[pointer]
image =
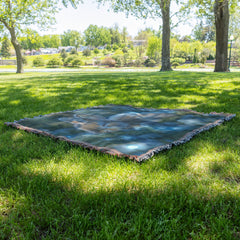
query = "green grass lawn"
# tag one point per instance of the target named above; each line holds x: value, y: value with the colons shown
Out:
x: 51, y: 190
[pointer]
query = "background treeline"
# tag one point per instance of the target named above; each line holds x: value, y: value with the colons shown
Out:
x: 115, y: 47
x: 93, y: 36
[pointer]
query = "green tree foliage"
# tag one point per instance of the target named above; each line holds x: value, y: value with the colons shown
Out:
x: 5, y: 49
x: 205, y: 33
x: 115, y: 35
x: 144, y: 9
x: 77, y: 62
x: 38, y: 62
x: 17, y: 15
x: 145, y: 34
x: 51, y: 41
x: 96, y: 50
x: 234, y: 25
x: 150, y: 62
x: 31, y: 40
x: 74, y: 51
x: 86, y: 52
x: 73, y: 61
x: 124, y: 35
x: 97, y: 36
x: 54, y: 62
x: 68, y: 60
x: 63, y: 54
x: 74, y: 3
x: 154, y: 48
x: 193, y: 51
x: 72, y: 38
x: 220, y: 11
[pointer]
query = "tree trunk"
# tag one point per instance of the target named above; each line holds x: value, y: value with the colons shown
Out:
x: 17, y: 48
x: 221, y: 12
x: 165, y: 8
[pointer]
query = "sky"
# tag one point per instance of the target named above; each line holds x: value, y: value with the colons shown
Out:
x: 88, y: 13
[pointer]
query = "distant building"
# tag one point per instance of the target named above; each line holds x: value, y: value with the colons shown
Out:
x: 82, y: 48
x: 33, y: 52
x: 48, y: 50
x: 67, y: 48
x: 137, y: 43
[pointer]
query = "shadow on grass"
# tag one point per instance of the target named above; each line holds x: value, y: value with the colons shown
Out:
x: 34, y: 95
x: 43, y: 205
x: 55, y: 92
x: 109, y: 198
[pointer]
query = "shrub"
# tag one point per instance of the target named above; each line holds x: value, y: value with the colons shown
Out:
x: 131, y: 46
x: 97, y: 62
x: 115, y: 46
x: 74, y: 51
x: 38, y: 62
x: 138, y: 62
x: 203, y: 59
x: 211, y: 57
x: 96, y: 50
x: 105, y: 52
x: 175, y: 64
x: 125, y: 50
x: 63, y: 54
x: 126, y: 59
x: 178, y: 60
x: 118, y: 52
x: 195, y: 56
x: 68, y: 60
x: 109, y: 61
x: 109, y: 48
x: 153, y: 48
x: 73, y: 61
x: 54, y: 62
x: 119, y: 60
x: 76, y: 62
x: 180, y: 54
x: 150, y: 62
x: 86, y: 52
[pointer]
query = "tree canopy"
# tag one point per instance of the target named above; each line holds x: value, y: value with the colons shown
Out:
x: 71, y: 38
x: 17, y: 15
x: 5, y: 49
x: 97, y: 36
x: 145, y: 9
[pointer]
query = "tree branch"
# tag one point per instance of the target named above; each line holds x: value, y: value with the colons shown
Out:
x: 5, y: 23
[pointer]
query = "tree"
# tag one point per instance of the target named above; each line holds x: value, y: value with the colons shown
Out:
x: 50, y: 41
x: 144, y: 9
x: 154, y: 48
x: 234, y: 25
x: 31, y: 41
x: 221, y: 10
x: 165, y: 9
x: 205, y: 32
x: 72, y: 38
x: 115, y: 35
x: 97, y: 36
x: 124, y: 35
x: 144, y: 35
x: 5, y: 49
x: 15, y: 15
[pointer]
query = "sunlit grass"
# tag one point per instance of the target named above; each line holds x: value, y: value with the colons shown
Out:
x: 51, y: 190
